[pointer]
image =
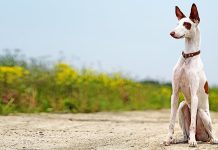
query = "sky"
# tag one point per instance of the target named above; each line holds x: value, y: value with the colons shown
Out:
x: 131, y: 36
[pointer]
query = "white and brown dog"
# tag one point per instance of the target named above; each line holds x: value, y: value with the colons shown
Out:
x: 190, y: 78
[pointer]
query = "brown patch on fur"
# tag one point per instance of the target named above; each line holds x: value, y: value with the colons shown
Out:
x: 187, y: 25
x: 194, y: 16
x: 179, y: 13
x: 206, y: 88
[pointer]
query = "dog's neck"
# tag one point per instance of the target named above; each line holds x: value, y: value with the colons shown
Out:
x: 193, y: 44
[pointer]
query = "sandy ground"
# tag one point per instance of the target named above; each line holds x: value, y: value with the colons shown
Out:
x: 101, y: 131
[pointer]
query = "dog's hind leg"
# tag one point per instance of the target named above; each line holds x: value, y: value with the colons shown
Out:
x: 184, y: 121
x: 201, y: 132
x: 206, y: 120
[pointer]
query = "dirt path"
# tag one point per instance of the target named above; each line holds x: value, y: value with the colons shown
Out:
x: 102, y: 131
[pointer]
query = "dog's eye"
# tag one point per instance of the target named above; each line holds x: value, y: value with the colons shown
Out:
x: 187, y: 25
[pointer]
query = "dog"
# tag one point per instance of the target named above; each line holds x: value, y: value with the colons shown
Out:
x: 189, y: 78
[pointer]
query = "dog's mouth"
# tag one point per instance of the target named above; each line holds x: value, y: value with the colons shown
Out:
x: 179, y: 37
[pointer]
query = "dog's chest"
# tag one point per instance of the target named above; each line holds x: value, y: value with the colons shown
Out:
x: 184, y: 83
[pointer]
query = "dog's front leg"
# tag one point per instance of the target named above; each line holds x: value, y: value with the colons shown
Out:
x: 194, y: 84
x: 174, y: 104
x: 192, y: 131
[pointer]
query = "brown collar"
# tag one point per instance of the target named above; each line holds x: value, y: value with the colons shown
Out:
x: 190, y: 54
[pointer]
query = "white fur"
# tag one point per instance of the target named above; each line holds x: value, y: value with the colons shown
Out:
x: 190, y: 78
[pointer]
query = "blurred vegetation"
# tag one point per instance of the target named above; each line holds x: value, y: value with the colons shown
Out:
x: 33, y: 86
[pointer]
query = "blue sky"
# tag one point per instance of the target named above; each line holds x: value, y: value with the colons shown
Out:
x: 131, y: 36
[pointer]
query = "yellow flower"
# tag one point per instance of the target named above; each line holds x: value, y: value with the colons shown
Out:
x: 65, y: 74
x: 11, y: 74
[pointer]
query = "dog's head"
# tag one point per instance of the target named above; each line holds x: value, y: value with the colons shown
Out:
x: 186, y: 27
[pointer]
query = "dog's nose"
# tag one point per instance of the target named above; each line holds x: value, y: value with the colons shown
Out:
x: 172, y: 33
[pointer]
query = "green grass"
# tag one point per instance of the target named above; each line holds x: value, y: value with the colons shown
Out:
x: 38, y: 87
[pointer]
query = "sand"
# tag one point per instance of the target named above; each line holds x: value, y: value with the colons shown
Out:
x: 101, y: 131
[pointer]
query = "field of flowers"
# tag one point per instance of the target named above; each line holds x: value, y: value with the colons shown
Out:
x: 32, y: 86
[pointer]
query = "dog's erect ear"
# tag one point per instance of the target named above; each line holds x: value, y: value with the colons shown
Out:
x: 179, y: 13
x: 194, y: 14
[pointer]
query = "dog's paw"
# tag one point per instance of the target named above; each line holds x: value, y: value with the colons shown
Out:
x: 166, y: 143
x: 169, y: 141
x: 192, y: 143
x: 214, y: 141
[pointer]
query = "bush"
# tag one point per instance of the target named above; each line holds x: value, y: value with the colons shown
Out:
x: 32, y: 86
